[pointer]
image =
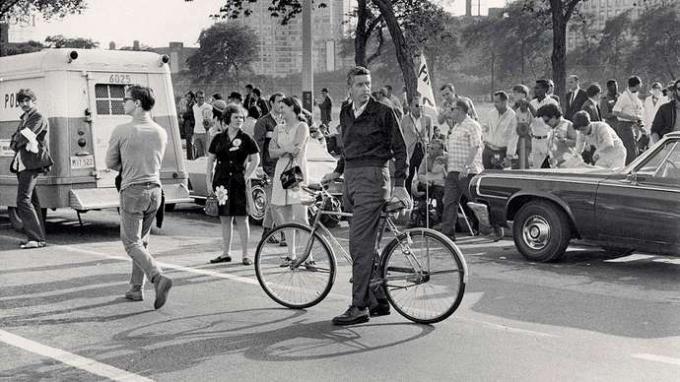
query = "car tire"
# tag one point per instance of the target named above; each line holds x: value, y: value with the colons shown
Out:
x: 170, y: 207
x: 541, y: 231
x: 259, y: 197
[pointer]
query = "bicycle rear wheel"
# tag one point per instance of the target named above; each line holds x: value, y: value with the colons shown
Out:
x: 424, y: 275
x: 293, y: 286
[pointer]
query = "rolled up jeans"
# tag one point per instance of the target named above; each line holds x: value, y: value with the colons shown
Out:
x: 138, y: 206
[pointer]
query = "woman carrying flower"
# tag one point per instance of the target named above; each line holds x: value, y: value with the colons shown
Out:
x: 233, y: 157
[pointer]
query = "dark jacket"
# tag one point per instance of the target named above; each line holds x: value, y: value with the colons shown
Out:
x: 39, y: 125
x: 593, y: 109
x: 326, y: 108
x: 570, y: 108
x: 263, y: 130
x: 664, y: 121
x: 372, y: 139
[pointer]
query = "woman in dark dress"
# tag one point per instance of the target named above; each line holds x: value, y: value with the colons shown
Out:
x: 233, y: 157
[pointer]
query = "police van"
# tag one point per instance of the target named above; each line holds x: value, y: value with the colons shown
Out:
x: 81, y: 93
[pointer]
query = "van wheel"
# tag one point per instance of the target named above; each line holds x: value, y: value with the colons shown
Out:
x: 170, y: 207
x: 15, y: 220
x: 541, y: 231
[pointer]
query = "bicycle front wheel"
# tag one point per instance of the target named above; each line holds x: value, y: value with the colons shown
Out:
x: 291, y: 275
x: 424, y: 275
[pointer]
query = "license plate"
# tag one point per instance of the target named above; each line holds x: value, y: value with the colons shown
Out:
x: 82, y: 162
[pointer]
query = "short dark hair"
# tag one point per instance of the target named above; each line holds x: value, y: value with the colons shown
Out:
x: 356, y: 71
x: 543, y: 83
x: 144, y: 95
x: 574, y: 76
x: 502, y: 95
x: 612, y: 82
x: 217, y: 96
x: 550, y: 110
x: 521, y: 89
x: 657, y: 85
x: 272, y: 98
x: 675, y: 85
x: 447, y: 86
x: 24, y: 94
x: 231, y: 110
x: 593, y: 90
x: 249, y: 86
x: 388, y: 87
x: 634, y: 81
x: 200, y: 93
x: 463, y: 106
x: 254, y: 112
x: 236, y: 96
x: 324, y: 90
x: 257, y: 92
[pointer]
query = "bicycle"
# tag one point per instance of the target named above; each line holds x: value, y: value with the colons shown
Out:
x: 425, y: 284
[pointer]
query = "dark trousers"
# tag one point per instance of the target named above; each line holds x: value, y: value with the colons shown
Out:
x: 493, y: 159
x: 28, y: 205
x: 437, y: 193
x: 625, y: 131
x: 414, y: 164
x: 454, y: 190
x: 190, y: 146
x: 366, y: 190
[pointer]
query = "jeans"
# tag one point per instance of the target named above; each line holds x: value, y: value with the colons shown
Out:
x: 190, y: 146
x: 200, y: 143
x: 625, y: 131
x: 138, y: 206
x: 28, y: 205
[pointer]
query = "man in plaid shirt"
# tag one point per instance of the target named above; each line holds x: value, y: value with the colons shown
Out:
x: 464, y: 145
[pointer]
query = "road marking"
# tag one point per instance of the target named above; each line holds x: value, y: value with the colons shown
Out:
x: 71, y: 359
x: 658, y: 358
x: 629, y: 258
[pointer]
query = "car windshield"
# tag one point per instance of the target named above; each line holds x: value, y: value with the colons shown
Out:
x: 649, y: 162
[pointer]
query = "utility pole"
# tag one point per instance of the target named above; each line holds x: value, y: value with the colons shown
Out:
x: 307, y: 64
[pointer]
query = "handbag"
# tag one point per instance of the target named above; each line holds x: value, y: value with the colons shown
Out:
x: 212, y: 207
x: 292, y: 176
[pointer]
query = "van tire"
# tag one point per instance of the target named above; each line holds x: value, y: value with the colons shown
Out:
x: 15, y: 220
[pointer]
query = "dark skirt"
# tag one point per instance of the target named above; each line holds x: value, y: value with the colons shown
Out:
x: 237, y: 201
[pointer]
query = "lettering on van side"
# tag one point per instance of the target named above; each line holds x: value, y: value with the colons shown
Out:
x: 10, y: 101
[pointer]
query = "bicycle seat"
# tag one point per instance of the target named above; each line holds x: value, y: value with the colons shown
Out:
x: 393, y: 206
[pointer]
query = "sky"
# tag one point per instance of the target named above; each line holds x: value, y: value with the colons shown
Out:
x: 153, y: 22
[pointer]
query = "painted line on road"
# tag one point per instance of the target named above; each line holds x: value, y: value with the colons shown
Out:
x: 71, y: 359
x: 657, y: 358
x: 626, y: 259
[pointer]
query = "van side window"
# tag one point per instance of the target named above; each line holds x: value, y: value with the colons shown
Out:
x: 109, y: 99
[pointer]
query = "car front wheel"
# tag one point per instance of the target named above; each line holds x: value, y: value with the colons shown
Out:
x: 541, y: 231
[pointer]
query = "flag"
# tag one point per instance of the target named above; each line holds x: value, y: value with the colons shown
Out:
x: 425, y: 84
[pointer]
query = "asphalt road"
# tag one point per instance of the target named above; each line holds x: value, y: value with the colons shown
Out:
x: 591, y: 317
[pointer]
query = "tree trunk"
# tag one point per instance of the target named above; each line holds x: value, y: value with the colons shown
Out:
x: 403, y: 56
x: 361, y: 38
x: 559, y: 53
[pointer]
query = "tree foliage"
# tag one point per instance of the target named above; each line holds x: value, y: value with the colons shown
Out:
x: 59, y: 41
x: 24, y: 47
x: 657, y: 47
x: 225, y: 50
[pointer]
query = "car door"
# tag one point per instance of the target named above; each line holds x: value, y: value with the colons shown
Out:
x: 642, y: 208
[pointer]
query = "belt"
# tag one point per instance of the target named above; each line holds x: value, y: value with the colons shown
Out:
x: 495, y: 148
x: 539, y: 137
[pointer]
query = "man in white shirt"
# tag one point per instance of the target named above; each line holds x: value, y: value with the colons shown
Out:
x: 203, y: 121
x: 539, y: 130
x: 652, y: 105
x: 500, y: 139
x: 628, y: 110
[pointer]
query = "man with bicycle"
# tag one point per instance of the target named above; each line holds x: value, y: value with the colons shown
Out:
x: 371, y: 137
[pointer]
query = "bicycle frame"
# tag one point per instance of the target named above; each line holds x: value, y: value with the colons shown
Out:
x: 385, y: 222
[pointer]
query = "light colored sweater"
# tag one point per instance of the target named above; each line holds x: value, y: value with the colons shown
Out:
x: 136, y: 149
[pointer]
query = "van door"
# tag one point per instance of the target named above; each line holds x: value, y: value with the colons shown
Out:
x: 106, y: 93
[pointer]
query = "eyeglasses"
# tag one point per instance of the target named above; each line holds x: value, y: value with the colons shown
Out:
x: 238, y: 117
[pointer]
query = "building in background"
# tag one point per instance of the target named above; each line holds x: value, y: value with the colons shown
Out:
x: 280, y: 46
x: 178, y: 54
x: 599, y: 12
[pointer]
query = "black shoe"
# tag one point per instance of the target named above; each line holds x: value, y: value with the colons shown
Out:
x: 352, y: 316
x: 221, y: 259
x: 162, y: 287
x: 382, y: 309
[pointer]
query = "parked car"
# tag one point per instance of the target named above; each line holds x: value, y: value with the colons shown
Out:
x: 319, y: 163
x: 636, y: 208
